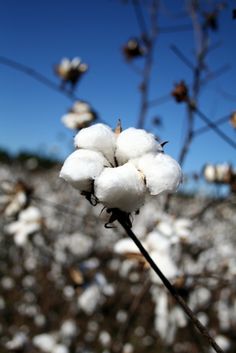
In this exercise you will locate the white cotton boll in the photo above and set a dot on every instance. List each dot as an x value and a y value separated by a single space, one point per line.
60 348
156 242
125 246
223 342
81 107
70 120
166 265
122 187
65 64
82 167
45 341
17 203
79 244
75 62
30 214
21 238
98 137
209 173
133 143
165 228
89 299
162 172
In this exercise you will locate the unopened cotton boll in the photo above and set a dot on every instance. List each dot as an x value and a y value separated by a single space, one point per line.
122 187
99 138
133 143
82 167
162 172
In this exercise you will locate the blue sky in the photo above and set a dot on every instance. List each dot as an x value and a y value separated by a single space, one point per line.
39 33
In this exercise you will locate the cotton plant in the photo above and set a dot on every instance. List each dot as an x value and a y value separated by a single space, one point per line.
29 221
14 197
79 116
118 169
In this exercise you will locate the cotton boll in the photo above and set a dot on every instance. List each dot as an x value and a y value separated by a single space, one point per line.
133 143
82 167
45 341
166 265
122 187
162 172
125 246
99 138
81 107
30 214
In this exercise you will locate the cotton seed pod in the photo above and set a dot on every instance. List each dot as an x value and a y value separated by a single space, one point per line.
133 143
82 167
122 187
233 120
162 172
98 137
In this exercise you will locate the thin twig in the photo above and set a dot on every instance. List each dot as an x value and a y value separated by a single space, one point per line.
182 57
215 128
145 84
218 122
202 329
140 17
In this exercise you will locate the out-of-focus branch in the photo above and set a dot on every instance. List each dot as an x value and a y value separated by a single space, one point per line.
182 57
204 129
215 128
144 87
37 76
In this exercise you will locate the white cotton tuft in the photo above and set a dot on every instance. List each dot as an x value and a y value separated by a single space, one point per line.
162 172
122 187
82 167
75 121
166 265
133 143
126 246
98 137
30 214
81 107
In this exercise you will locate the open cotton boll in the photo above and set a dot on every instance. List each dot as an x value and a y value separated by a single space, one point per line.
125 246
162 172
75 120
133 143
166 265
82 167
122 187
30 214
81 107
98 137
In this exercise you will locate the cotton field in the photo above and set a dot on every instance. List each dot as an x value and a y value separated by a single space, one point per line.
68 284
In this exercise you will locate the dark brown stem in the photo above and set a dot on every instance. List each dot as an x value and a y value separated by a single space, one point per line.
202 329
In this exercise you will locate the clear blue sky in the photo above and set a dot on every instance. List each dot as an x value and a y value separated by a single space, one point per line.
40 33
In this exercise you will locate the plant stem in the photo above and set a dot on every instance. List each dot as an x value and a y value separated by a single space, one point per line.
202 329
